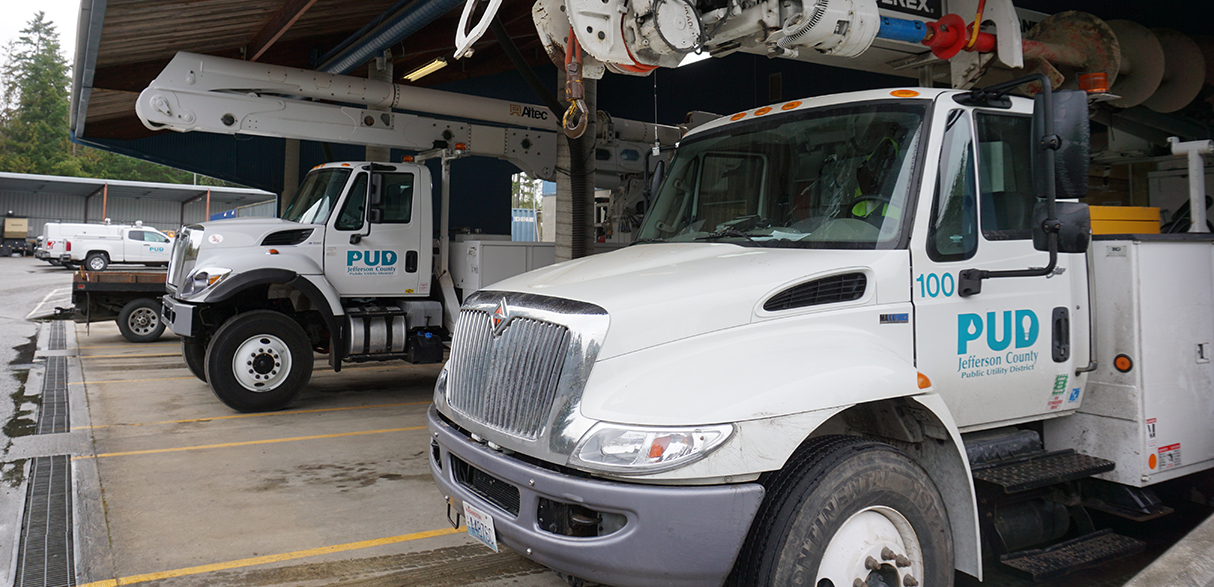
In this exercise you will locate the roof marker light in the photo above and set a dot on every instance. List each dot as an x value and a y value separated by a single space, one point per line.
904 93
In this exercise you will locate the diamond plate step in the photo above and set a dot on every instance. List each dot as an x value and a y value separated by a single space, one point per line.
1041 470
1073 555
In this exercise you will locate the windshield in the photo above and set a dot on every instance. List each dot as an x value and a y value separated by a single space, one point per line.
826 178
315 198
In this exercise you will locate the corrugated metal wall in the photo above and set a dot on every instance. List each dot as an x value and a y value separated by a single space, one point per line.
164 215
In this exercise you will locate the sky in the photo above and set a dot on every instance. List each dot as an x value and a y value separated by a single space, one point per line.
63 13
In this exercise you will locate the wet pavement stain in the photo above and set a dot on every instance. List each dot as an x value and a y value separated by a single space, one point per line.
343 477
21 420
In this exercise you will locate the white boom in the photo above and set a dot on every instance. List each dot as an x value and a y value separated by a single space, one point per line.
228 96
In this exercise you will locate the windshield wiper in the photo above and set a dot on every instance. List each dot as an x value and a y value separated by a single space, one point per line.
646 241
729 233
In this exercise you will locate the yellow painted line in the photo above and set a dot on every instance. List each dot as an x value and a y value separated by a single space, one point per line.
128 345
279 413
246 443
272 558
122 356
319 374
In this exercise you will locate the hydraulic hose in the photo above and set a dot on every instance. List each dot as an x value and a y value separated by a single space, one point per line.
579 180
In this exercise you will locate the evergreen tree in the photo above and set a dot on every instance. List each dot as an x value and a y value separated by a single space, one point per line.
34 129
34 137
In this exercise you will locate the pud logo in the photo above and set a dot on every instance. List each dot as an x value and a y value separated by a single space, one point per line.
370 262
1003 330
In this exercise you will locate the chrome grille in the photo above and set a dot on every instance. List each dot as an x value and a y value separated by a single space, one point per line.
507 381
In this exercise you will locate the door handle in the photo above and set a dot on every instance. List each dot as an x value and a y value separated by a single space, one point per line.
1061 334
411 262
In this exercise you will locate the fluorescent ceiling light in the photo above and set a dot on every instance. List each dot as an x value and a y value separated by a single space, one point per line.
426 69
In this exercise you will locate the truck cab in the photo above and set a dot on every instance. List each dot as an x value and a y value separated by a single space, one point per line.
837 314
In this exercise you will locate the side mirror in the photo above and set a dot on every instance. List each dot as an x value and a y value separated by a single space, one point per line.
375 199
1074 227
655 180
1074 152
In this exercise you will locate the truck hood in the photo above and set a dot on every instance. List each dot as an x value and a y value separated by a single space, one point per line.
249 232
659 293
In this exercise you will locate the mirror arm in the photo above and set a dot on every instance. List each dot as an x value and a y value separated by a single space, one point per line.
969 281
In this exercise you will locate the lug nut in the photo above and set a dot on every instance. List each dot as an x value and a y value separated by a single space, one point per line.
871 564
858 583
902 561
887 554
910 581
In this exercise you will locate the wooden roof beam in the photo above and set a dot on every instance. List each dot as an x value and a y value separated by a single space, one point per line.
276 27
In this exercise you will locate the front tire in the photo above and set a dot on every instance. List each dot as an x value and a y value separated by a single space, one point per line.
258 361
194 351
96 261
140 320
846 509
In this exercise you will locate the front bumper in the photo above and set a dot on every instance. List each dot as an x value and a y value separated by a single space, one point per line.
180 316
674 535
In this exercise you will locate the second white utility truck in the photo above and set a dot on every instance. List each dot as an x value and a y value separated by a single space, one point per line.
859 339
352 266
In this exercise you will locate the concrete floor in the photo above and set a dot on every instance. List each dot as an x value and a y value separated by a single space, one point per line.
336 488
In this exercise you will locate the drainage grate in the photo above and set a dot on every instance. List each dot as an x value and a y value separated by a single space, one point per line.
58 338
53 415
44 558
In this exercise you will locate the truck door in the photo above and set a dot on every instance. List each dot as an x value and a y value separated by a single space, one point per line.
1002 354
383 258
134 248
156 247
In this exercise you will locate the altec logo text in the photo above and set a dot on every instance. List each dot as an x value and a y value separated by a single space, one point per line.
370 262
528 112
1006 334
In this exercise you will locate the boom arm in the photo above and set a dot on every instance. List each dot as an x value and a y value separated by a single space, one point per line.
228 96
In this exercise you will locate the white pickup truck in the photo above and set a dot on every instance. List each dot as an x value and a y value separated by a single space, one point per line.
97 245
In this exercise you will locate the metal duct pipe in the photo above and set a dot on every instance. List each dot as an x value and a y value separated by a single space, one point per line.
394 29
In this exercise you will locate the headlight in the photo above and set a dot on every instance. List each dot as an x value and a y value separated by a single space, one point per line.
440 386
202 279
635 450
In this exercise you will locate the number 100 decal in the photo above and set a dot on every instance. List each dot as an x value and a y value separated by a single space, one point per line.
933 286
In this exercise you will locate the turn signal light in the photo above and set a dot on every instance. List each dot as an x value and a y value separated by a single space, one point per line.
1123 363
461 146
924 382
406 159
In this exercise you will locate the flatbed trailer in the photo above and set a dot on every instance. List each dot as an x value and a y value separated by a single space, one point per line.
132 298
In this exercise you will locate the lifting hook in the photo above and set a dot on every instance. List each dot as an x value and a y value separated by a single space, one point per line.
577 117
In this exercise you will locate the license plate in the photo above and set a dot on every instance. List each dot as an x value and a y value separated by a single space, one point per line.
480 525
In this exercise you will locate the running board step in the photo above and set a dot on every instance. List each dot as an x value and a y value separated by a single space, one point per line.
1073 555
1041 470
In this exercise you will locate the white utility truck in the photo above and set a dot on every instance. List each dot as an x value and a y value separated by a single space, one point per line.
837 355
352 267
96 246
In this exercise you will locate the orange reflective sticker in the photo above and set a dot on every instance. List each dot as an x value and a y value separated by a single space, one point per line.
1152 461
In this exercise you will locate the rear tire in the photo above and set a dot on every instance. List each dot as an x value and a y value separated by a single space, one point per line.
834 508
140 320
194 351
258 361
96 262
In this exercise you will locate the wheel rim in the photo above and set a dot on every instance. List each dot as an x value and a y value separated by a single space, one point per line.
877 540
97 263
261 363
143 321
